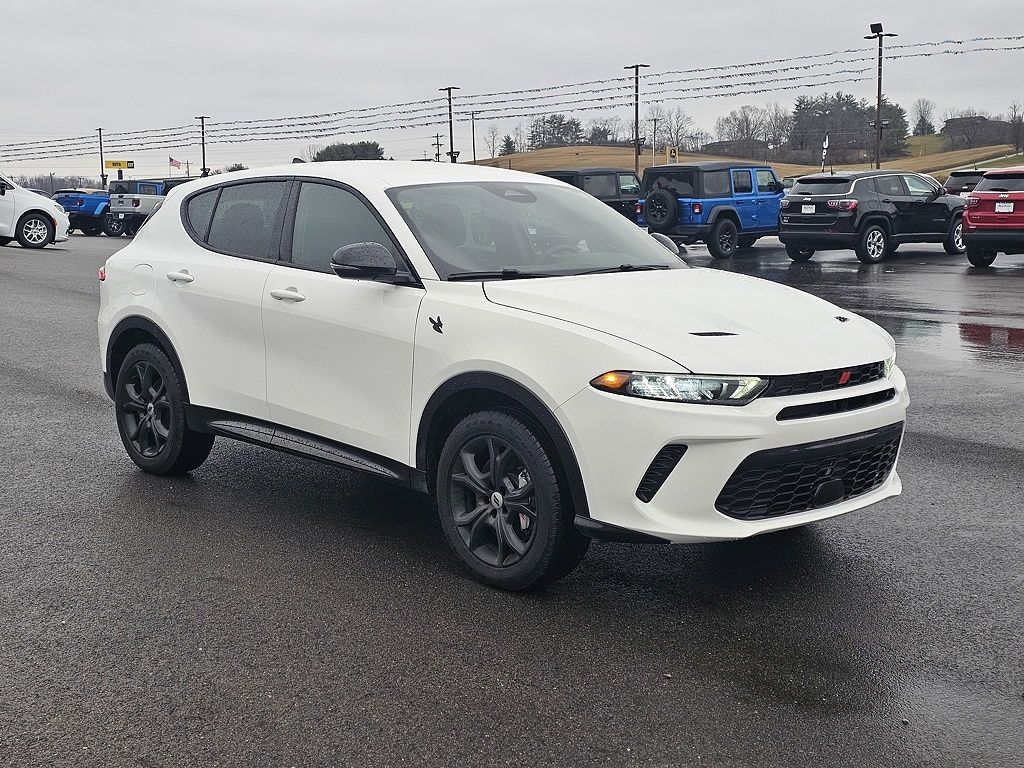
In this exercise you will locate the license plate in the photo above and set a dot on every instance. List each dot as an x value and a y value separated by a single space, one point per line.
120 215
1004 207
806 209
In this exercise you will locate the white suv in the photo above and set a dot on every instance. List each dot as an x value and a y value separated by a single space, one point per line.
34 220
503 341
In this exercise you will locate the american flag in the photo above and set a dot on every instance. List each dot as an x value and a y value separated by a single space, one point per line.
174 163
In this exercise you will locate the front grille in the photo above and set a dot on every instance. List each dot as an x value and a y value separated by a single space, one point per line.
783 481
830 407
823 381
658 472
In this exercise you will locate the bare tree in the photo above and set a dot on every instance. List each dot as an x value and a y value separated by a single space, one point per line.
1015 116
778 122
678 127
311 151
654 124
492 138
519 137
744 124
922 115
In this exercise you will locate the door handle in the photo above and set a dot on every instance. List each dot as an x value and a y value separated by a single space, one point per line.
287 294
181 276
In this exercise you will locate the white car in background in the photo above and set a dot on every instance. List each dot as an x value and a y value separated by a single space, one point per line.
545 369
32 219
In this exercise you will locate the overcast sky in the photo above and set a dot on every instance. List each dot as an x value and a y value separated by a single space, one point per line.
72 66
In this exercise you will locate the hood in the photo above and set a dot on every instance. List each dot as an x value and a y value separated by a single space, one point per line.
772 329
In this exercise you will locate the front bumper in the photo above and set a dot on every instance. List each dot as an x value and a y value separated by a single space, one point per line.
61 226
616 438
1010 241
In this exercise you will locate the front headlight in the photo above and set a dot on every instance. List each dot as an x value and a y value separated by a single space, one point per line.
682 388
889 364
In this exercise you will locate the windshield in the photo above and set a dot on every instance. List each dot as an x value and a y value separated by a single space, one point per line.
1004 182
535 230
828 186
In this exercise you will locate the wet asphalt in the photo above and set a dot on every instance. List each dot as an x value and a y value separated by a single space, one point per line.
267 611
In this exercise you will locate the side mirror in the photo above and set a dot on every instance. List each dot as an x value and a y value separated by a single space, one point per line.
666 241
365 261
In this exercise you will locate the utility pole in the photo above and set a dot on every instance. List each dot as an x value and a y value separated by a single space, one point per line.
186 169
876 32
654 142
103 169
451 125
51 182
437 147
202 137
636 113
472 124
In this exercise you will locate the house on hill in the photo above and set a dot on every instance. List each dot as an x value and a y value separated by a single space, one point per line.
976 131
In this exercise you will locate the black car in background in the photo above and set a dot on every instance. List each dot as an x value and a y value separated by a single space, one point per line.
963 181
872 212
618 189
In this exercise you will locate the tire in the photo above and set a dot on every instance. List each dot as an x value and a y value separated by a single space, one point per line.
513 528
149 403
723 239
5 240
979 257
93 228
112 227
799 254
131 227
661 209
954 242
35 230
745 242
873 244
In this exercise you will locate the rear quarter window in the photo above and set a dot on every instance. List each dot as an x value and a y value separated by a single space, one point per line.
679 183
716 184
600 185
199 212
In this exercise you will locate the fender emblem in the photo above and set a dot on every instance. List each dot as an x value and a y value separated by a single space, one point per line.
437 324
844 377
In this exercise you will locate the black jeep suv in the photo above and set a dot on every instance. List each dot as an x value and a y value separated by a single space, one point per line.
616 189
873 212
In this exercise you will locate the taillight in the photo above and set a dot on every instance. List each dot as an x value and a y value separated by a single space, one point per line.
843 205
697 209
103 274
973 201
639 209
135 203
784 202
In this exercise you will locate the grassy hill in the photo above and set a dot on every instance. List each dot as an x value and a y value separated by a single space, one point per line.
936 163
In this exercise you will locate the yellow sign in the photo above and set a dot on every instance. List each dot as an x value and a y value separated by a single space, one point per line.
119 164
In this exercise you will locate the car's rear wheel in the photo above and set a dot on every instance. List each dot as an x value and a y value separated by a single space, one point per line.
724 239
112 227
799 254
746 242
502 506
149 398
873 244
981 257
5 240
954 242
92 228
35 230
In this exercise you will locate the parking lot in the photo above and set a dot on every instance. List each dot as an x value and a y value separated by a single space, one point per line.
270 611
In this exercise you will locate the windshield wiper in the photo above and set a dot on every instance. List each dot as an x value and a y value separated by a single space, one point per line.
623 268
495 274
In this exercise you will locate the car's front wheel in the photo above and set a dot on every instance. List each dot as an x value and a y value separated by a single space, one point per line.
873 244
724 239
149 399
980 257
799 254
502 506
954 242
35 230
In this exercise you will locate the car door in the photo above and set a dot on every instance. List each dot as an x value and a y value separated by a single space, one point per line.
895 202
629 193
768 197
209 286
7 209
929 213
744 198
339 349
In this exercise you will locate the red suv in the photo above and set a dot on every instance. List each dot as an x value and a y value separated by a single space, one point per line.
994 216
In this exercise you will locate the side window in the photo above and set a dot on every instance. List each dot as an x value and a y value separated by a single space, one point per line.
118 188
247 219
765 181
147 189
600 185
918 187
200 211
889 186
742 183
629 185
328 218
716 184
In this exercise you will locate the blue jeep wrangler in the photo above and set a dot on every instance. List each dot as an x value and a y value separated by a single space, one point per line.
88 210
728 205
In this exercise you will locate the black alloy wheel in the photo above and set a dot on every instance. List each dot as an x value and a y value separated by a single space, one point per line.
145 410
660 210
724 239
112 227
492 501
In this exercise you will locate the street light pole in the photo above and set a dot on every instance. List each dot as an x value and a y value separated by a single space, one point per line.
472 128
103 168
636 113
451 124
877 33
202 138
654 142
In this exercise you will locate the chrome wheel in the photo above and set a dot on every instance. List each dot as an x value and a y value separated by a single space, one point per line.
492 501
146 410
35 230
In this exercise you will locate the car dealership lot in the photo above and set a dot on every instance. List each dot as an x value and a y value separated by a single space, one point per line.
267 610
